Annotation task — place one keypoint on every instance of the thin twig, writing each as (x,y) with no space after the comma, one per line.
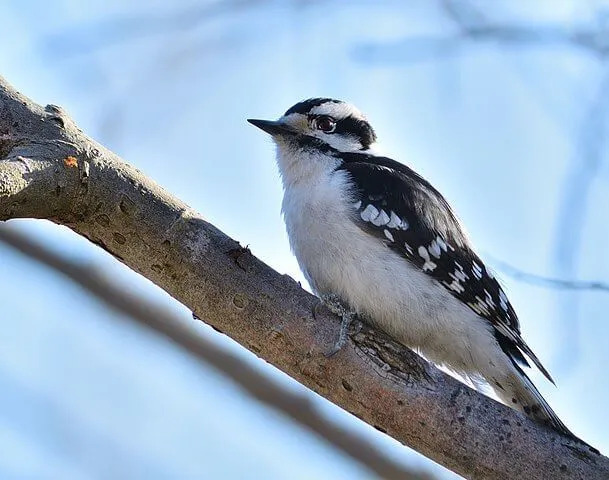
(547,282)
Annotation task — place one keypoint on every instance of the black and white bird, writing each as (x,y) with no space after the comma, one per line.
(375,239)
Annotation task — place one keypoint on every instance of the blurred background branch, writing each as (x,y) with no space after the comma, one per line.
(474,25)
(179,20)
(548,282)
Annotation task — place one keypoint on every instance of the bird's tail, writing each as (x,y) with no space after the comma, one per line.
(519,392)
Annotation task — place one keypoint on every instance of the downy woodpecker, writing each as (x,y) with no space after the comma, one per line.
(375,239)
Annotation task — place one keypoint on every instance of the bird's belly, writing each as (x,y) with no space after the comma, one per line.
(374,281)
(384,288)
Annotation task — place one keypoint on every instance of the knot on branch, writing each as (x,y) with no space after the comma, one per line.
(57,115)
(389,359)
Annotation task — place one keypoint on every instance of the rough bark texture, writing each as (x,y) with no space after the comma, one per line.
(49,169)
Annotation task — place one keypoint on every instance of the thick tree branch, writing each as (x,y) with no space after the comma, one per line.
(50,169)
(159,318)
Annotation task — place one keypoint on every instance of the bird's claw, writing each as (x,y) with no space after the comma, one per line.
(334,304)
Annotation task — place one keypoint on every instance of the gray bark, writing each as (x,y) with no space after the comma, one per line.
(49,169)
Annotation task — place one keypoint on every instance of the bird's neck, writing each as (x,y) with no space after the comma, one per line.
(304,168)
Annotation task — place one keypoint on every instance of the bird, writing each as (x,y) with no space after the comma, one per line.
(377,241)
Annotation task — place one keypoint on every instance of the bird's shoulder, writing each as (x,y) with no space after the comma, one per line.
(388,183)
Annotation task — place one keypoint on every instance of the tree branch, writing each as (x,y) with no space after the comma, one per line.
(50,169)
(157,317)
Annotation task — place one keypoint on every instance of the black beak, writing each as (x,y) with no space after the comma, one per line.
(271,127)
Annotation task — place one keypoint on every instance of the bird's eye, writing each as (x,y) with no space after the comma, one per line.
(325,124)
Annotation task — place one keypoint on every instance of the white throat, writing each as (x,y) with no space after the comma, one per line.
(301,167)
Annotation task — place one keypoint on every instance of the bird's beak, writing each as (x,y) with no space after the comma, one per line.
(271,127)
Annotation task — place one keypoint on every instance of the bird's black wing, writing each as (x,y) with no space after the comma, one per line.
(397,205)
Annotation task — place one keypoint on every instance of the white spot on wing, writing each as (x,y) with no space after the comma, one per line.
(442,244)
(428,265)
(489,299)
(395,221)
(357,204)
(460,275)
(408,249)
(434,249)
(381,219)
(455,286)
(476,270)
(503,301)
(388,235)
(369,213)
(482,306)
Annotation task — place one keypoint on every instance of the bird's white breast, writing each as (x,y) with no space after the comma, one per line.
(338,257)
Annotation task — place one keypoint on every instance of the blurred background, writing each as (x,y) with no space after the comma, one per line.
(502,105)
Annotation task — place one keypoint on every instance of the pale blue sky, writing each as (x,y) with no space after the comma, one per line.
(496,128)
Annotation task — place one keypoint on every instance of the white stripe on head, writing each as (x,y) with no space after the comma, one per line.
(337,110)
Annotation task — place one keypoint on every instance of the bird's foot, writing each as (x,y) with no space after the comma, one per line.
(337,307)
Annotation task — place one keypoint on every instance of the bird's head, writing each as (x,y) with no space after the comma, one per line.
(320,124)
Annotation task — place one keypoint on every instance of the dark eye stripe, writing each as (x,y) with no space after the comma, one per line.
(358,128)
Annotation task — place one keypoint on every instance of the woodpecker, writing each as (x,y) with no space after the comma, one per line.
(375,239)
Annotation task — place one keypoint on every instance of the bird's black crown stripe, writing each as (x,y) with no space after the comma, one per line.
(305,106)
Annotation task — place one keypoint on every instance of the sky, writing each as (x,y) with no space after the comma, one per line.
(512,132)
